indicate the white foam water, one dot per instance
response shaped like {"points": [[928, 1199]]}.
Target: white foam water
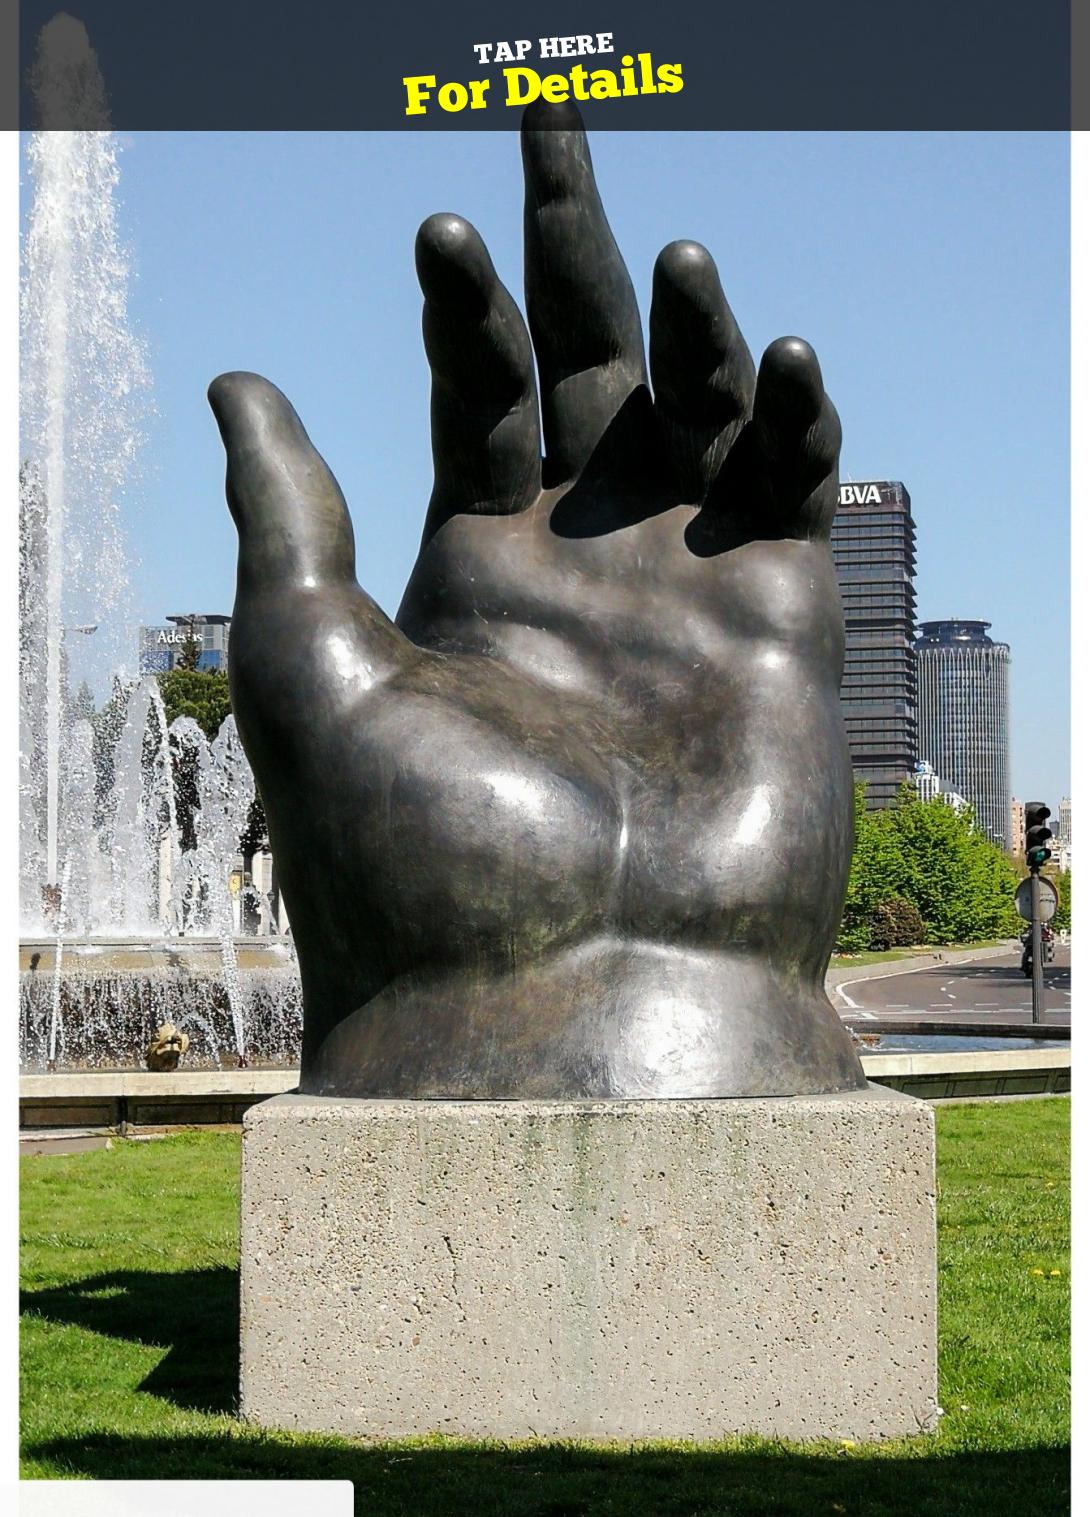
{"points": [[101, 845]]}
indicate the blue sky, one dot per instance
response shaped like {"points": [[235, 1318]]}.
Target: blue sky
{"points": [[929, 270]]}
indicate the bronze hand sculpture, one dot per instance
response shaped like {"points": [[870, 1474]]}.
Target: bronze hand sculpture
{"points": [[578, 822]]}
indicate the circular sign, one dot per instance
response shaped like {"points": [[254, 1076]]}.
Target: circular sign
{"points": [[1050, 899]]}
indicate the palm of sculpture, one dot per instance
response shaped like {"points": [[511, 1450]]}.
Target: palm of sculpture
{"points": [[579, 823]]}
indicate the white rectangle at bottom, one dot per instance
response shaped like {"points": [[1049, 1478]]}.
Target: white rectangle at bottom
{"points": [[184, 1498]]}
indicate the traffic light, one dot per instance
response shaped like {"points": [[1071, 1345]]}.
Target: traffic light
{"points": [[1037, 834]]}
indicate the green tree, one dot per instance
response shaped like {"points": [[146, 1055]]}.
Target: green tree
{"points": [[255, 838], [929, 858], [189, 654], [81, 707], [960, 882], [875, 875], [107, 725], [203, 695], [200, 693], [1062, 919], [897, 923]]}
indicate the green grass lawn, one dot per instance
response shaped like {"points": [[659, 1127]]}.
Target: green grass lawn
{"points": [[129, 1356]]}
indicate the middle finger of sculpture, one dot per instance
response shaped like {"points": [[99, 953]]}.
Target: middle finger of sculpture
{"points": [[578, 822]]}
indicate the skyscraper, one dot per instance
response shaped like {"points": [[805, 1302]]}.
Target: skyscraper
{"points": [[1063, 819], [874, 549], [964, 717]]}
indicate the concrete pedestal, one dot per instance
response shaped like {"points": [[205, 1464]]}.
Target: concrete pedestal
{"points": [[656, 1269]]}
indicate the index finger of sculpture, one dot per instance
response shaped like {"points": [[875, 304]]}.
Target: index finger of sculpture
{"points": [[485, 437], [579, 298], [293, 525], [701, 368]]}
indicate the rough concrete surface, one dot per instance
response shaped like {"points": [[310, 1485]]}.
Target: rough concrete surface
{"points": [[679, 1269]]}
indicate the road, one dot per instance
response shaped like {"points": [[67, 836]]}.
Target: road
{"points": [[981, 990]]}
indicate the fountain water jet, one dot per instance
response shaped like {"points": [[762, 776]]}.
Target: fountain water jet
{"points": [[101, 845], [82, 377]]}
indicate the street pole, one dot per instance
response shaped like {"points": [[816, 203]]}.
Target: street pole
{"points": [[1038, 967]]}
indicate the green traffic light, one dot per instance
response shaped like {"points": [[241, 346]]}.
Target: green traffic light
{"points": [[1037, 833]]}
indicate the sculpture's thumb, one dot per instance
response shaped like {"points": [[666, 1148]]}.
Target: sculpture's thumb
{"points": [[293, 525]]}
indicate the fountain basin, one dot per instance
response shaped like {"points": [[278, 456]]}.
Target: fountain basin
{"points": [[893, 1042], [111, 995], [122, 1100], [200, 955]]}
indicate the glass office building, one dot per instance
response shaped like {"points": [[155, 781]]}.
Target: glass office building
{"points": [[965, 717], [160, 646], [874, 549]]}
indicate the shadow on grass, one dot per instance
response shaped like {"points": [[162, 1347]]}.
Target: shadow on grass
{"points": [[557, 1480], [192, 1313]]}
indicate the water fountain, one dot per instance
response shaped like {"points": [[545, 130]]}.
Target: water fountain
{"points": [[123, 928]]}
